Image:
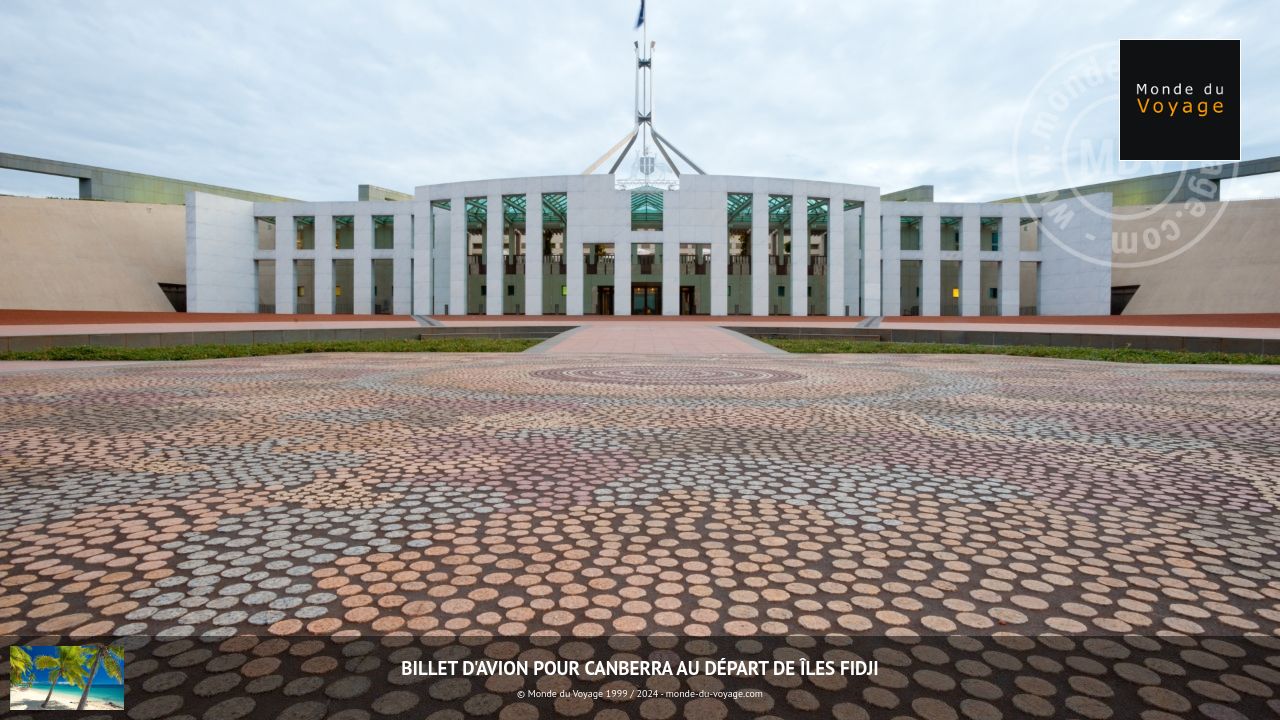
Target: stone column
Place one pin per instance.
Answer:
(835, 256)
(872, 288)
(799, 255)
(720, 267)
(970, 261)
(871, 256)
(573, 237)
(286, 287)
(324, 265)
(423, 260)
(622, 275)
(670, 275)
(760, 260)
(533, 254)
(362, 277)
(494, 271)
(853, 260)
(1010, 255)
(931, 269)
(401, 272)
(458, 256)
(891, 252)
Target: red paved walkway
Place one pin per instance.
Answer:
(655, 337)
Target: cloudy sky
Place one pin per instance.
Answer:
(309, 99)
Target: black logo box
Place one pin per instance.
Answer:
(1189, 65)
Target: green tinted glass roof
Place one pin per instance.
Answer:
(646, 207)
(555, 208)
(739, 208)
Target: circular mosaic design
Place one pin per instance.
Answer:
(1112, 528)
(667, 375)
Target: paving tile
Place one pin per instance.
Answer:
(283, 499)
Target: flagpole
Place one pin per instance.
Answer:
(643, 95)
(648, 55)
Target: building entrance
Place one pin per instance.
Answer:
(646, 299)
(688, 305)
(604, 300)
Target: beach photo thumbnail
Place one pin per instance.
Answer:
(66, 677)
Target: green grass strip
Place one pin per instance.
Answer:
(205, 352)
(1125, 355)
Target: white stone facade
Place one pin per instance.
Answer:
(434, 265)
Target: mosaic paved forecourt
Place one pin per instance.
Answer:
(249, 515)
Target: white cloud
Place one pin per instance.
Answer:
(309, 99)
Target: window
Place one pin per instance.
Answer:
(782, 291)
(909, 232)
(511, 290)
(950, 234)
(989, 233)
(646, 208)
(383, 285)
(993, 293)
(266, 276)
(344, 232)
(305, 233)
(779, 228)
(383, 232)
(266, 227)
(477, 219)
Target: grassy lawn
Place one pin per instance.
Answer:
(204, 352)
(1128, 355)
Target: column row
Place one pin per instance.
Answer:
(343, 264)
(931, 263)
(966, 264)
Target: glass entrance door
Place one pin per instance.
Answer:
(646, 299)
(604, 300)
(687, 304)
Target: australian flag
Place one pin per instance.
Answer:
(640, 17)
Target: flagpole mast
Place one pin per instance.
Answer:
(644, 104)
(649, 109)
(647, 56)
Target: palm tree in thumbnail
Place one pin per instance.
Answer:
(107, 655)
(20, 665)
(67, 665)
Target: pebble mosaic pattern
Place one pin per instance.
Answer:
(296, 497)
(658, 375)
